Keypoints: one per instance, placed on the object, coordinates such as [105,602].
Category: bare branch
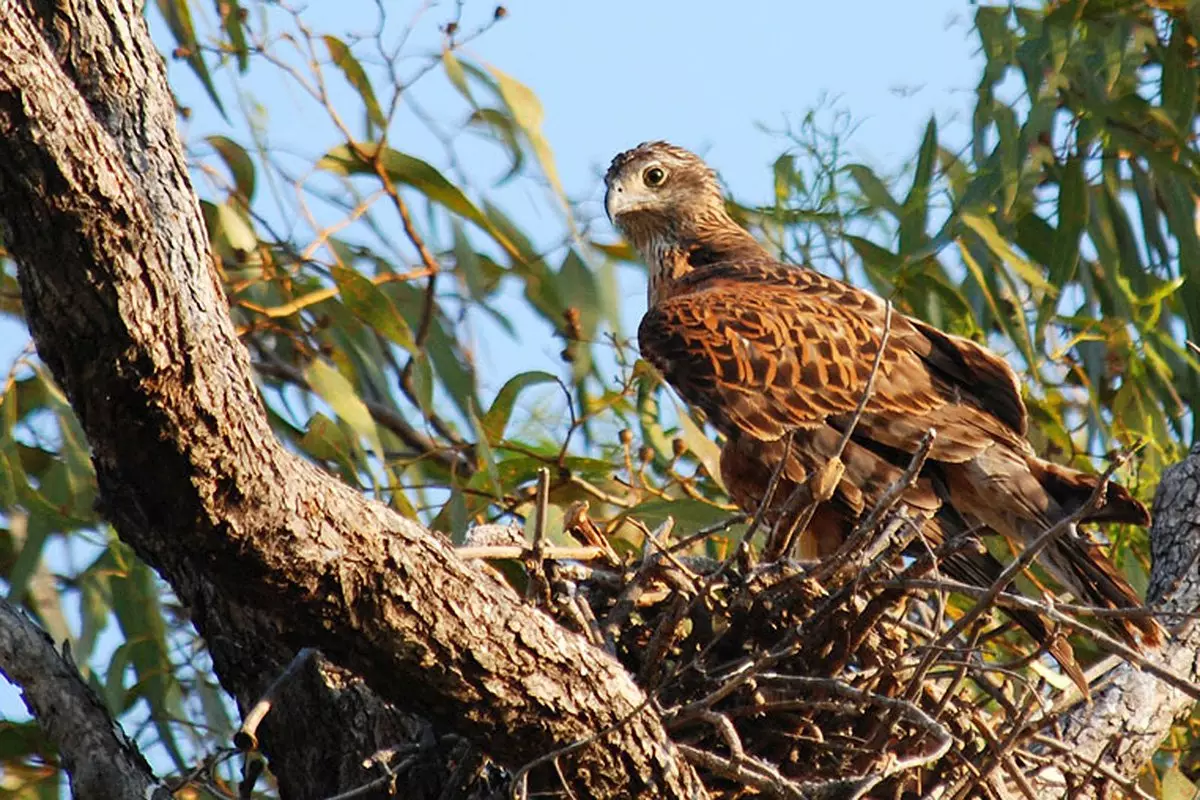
[101,760]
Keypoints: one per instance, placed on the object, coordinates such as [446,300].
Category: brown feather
[770,351]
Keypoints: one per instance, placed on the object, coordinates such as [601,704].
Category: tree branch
[102,762]
[268,552]
[1134,711]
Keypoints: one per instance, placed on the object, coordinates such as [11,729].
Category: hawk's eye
[654,176]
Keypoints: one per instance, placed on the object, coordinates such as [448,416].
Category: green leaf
[496,419]
[583,295]
[1072,222]
[1179,80]
[986,230]
[1176,786]
[94,609]
[874,189]
[527,112]
[411,171]
[786,177]
[178,17]
[648,411]
[915,213]
[423,382]
[139,612]
[480,274]
[1149,212]
[238,162]
[356,77]
[324,440]
[231,234]
[339,393]
[487,477]
[704,448]
[28,560]
[881,264]
[689,514]
[216,714]
[456,75]
[367,302]
[231,21]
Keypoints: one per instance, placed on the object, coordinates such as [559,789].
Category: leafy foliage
[363,279]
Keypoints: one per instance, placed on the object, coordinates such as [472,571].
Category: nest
[861,675]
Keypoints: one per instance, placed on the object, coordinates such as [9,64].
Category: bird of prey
[779,358]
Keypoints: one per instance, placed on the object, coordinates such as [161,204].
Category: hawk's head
[668,204]
[659,185]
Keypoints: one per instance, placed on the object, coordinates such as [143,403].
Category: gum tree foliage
[1060,228]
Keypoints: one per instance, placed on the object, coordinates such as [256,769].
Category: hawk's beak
[621,199]
[615,201]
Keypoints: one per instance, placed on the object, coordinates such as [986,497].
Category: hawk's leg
[800,507]
[824,482]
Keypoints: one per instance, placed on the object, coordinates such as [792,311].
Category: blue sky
[615,73]
[708,76]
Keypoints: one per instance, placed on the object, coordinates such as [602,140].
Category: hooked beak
[620,200]
[614,201]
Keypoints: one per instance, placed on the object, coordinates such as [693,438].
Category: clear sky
[705,75]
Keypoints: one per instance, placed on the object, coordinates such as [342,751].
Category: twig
[519,777]
[385,416]
[829,568]
[246,738]
[1125,783]
[749,772]
[503,552]
[769,495]
[705,532]
[628,598]
[988,598]
[535,557]
[1102,639]
[906,709]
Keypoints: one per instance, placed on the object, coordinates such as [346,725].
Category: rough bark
[269,553]
[1130,716]
[102,763]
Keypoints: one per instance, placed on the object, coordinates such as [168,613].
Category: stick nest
[841,679]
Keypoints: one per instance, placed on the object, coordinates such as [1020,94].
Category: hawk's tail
[981,569]
[1081,565]
[977,567]
[1071,488]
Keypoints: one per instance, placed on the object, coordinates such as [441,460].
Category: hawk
[779,358]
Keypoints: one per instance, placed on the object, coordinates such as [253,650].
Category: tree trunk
[269,553]
[1129,717]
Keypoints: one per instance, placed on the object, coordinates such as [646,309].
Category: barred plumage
[770,351]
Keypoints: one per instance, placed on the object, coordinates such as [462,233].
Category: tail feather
[1071,488]
[1094,580]
[981,569]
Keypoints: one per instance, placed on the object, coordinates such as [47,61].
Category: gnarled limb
[102,762]
[268,552]
[1133,711]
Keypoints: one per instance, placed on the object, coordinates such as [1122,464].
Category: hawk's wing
[765,349]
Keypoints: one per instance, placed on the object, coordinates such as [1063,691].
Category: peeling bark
[1133,712]
[101,761]
[269,553]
